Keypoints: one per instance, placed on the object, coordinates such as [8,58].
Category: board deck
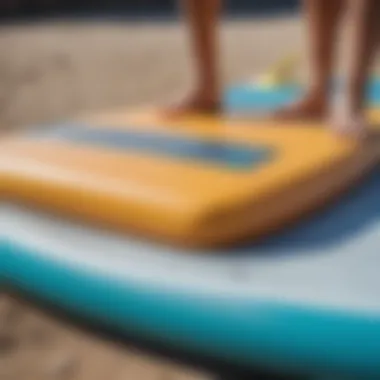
[195,181]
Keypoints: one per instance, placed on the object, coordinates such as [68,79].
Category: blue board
[305,302]
[248,98]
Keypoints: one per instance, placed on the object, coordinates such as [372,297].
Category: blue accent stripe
[223,153]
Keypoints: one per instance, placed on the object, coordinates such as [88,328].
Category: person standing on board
[323,18]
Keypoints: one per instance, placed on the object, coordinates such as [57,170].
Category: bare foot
[194,105]
[349,119]
[350,124]
[311,107]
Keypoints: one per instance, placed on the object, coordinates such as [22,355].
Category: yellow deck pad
[194,181]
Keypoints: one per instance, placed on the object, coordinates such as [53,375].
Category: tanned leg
[323,20]
[365,18]
[202,17]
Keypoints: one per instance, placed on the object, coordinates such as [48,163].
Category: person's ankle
[207,95]
[318,94]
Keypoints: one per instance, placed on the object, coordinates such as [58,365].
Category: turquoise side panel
[282,336]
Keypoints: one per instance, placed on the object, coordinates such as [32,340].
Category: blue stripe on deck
[223,153]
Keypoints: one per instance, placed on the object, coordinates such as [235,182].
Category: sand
[53,71]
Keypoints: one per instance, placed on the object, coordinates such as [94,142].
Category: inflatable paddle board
[305,301]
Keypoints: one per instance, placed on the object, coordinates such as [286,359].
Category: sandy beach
[56,70]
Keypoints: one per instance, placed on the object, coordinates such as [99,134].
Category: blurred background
[60,58]
[31,8]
